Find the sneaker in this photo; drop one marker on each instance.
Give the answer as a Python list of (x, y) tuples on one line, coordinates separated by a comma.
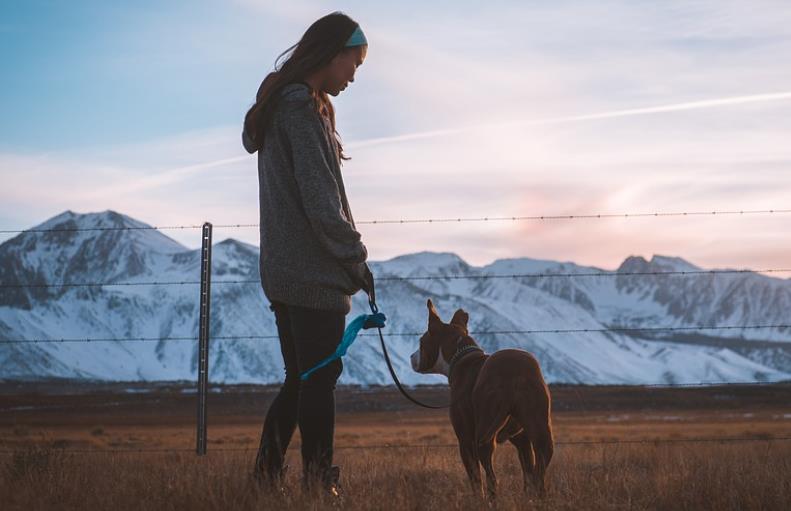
[(327, 484), (332, 483), (272, 481)]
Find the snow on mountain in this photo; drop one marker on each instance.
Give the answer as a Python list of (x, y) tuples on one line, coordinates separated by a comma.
[(138, 254)]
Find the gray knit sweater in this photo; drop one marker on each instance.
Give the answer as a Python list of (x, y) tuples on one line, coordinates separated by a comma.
[(310, 247)]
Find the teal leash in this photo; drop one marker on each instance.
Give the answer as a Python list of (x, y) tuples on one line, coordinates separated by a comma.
[(363, 321)]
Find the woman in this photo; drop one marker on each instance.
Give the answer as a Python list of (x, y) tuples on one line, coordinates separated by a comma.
[(312, 259)]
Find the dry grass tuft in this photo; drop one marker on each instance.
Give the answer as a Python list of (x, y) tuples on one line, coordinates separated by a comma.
[(677, 476)]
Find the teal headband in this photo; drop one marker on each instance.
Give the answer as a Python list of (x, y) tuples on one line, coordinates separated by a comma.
[(357, 38)]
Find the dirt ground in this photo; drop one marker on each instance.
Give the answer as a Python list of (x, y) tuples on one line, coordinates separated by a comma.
[(105, 416)]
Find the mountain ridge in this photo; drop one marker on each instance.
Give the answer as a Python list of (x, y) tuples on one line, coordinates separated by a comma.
[(611, 300)]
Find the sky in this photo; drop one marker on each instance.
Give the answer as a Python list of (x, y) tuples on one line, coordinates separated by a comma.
[(461, 109)]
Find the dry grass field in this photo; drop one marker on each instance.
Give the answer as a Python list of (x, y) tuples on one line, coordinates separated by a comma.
[(393, 456)]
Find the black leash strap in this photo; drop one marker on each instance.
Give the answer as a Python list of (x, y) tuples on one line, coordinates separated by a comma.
[(398, 383), (375, 309)]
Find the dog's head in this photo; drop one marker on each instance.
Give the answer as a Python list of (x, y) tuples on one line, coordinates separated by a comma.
[(439, 343)]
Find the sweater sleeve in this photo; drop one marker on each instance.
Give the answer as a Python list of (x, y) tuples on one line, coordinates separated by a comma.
[(247, 143), (318, 187)]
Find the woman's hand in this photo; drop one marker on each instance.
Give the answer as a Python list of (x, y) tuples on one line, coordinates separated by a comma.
[(368, 280), (362, 276)]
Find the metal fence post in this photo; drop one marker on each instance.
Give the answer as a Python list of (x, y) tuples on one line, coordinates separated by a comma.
[(203, 335)]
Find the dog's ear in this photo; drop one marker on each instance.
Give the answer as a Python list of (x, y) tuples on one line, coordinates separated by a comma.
[(433, 318), (460, 318), (431, 309)]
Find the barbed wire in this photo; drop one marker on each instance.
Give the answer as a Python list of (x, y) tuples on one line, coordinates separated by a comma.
[(588, 216), (413, 334), (585, 274), (513, 218), (115, 339), (604, 442), (114, 284), (90, 229), (575, 217), (420, 277)]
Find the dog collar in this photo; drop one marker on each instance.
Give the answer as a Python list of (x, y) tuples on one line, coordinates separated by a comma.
[(461, 353)]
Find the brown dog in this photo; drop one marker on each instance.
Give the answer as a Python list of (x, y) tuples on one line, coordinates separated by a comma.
[(494, 398)]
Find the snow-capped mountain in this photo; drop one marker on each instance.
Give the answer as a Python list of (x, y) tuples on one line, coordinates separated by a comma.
[(138, 255)]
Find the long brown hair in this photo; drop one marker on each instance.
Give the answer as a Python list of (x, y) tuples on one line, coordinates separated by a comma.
[(320, 43)]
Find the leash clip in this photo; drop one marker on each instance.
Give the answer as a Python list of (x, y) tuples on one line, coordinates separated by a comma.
[(372, 297)]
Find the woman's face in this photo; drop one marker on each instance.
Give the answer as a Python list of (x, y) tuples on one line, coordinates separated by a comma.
[(340, 71)]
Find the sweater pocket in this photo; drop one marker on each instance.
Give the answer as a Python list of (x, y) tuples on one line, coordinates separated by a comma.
[(350, 284), (323, 273)]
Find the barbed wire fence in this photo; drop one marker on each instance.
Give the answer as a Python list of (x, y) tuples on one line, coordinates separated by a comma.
[(396, 278), (515, 218), (205, 298)]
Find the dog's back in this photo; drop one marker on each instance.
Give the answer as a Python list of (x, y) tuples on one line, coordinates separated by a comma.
[(515, 376)]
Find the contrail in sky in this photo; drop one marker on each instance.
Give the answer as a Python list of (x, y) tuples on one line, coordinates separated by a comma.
[(691, 105), (164, 177), (181, 172)]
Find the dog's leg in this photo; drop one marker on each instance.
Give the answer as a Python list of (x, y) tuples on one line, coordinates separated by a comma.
[(490, 417), (544, 446), (464, 426), (486, 455), (526, 457), (469, 457), (539, 430)]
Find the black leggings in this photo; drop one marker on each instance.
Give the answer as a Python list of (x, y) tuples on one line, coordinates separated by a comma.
[(307, 336)]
